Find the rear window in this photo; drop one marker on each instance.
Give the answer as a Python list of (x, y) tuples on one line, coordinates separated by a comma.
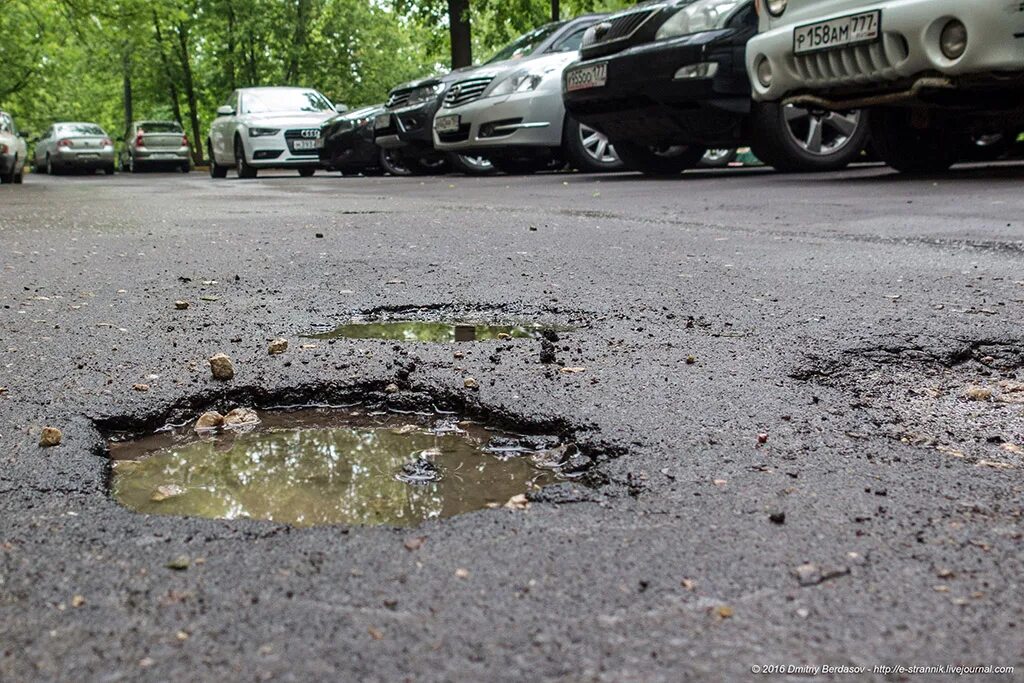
[(159, 127), (80, 129)]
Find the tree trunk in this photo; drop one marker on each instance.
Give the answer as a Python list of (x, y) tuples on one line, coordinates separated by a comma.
[(556, 11), (461, 37), (190, 93), (231, 67), (172, 88), (298, 42), (129, 113)]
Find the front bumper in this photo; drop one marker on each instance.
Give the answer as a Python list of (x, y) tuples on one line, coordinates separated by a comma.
[(92, 158), (643, 101), (908, 48), (529, 119), (350, 150), (409, 126), (274, 151)]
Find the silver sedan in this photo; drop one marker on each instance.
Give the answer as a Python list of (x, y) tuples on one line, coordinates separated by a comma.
[(75, 146)]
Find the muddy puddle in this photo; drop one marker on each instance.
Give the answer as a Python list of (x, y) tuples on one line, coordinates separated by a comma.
[(437, 332), (336, 466)]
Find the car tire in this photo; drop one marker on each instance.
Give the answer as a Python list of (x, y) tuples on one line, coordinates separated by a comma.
[(428, 165), (588, 149), (51, 169), (392, 163), (8, 178), (909, 149), (470, 165), (245, 171), (19, 177), (718, 158), (307, 172), (186, 168), (793, 139), (663, 161), (216, 170), (133, 166), (110, 170)]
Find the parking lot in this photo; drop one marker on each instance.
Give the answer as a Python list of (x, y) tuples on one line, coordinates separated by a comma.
[(800, 395)]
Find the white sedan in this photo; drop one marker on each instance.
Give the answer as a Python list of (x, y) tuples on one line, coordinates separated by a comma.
[(12, 151), (268, 128)]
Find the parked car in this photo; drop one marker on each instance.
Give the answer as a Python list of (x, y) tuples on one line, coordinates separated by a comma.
[(262, 128), (156, 144), (938, 75), (13, 151), (75, 146), (403, 129), (510, 109), (349, 147), (667, 81)]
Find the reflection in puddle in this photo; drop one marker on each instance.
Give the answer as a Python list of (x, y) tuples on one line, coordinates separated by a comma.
[(332, 466), (423, 331)]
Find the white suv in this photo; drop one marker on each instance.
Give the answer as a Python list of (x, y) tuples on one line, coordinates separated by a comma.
[(937, 73), (268, 128)]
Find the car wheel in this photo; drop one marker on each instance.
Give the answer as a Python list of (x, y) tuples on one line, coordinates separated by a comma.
[(241, 164), (589, 150), (109, 170), (186, 168), (718, 158), (666, 160), (792, 138), (430, 164), (19, 177), (307, 172), (8, 178), (216, 170), (392, 163), (471, 165), (133, 166), (50, 170), (909, 149)]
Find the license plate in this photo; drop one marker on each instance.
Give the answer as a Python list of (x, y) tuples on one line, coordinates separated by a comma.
[(382, 121), (304, 144), (851, 30), (586, 77), (88, 155), (447, 124)]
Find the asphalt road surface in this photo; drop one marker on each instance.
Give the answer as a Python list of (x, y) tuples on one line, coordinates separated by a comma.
[(801, 394)]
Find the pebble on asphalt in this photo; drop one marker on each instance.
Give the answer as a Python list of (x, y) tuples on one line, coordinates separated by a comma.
[(208, 421), (277, 347), (471, 383), (974, 393), (180, 563), (181, 305), (221, 367), (241, 417), (50, 436)]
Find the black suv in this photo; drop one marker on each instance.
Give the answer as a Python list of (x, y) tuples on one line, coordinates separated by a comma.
[(665, 81)]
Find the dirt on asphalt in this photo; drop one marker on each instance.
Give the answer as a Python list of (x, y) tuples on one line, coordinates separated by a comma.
[(798, 394)]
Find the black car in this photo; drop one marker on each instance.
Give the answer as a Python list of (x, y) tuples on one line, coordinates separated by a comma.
[(349, 146), (665, 81), (405, 129)]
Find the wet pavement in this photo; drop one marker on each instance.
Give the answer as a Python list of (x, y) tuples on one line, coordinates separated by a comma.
[(798, 398)]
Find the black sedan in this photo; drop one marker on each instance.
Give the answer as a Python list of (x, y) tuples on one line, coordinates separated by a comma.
[(349, 146), (667, 81)]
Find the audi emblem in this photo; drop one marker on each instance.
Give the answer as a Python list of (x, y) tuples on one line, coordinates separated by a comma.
[(311, 133)]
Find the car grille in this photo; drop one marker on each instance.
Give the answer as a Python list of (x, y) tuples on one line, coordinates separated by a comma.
[(302, 134), (852, 65), (398, 97), (467, 91), (619, 27)]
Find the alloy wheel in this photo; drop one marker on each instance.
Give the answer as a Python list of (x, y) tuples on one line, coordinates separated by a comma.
[(713, 156), (820, 133), (481, 164), (597, 145)]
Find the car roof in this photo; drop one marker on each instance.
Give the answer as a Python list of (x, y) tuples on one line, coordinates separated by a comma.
[(141, 121), (77, 123), (271, 88)]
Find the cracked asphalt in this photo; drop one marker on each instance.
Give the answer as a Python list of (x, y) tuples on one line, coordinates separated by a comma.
[(814, 487)]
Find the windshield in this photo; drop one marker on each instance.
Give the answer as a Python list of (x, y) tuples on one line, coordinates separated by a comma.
[(80, 129), (159, 127), (266, 101), (525, 44)]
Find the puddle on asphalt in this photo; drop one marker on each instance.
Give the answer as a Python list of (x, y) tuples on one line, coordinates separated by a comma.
[(336, 466), (427, 331)]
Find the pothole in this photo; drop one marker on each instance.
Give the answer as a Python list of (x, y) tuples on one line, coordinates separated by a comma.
[(323, 466), (435, 331)]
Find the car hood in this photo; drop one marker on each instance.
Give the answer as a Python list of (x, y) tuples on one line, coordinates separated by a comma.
[(549, 61), (283, 119)]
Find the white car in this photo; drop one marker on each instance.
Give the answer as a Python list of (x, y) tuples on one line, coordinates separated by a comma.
[(935, 72), (13, 151), (510, 109), (268, 128)]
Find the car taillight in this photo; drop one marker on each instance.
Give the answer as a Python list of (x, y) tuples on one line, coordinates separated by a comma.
[(4, 149), (107, 142), (65, 143), (184, 141), (139, 142)]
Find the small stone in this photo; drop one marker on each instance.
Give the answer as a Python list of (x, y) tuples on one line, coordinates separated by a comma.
[(414, 543), (221, 367), (690, 360), (724, 612), (319, 235), (375, 633), (208, 421), (140, 387), (945, 573), (181, 305), (572, 370), (458, 354), (777, 517), (277, 347), (241, 417), (762, 439), (688, 584), (391, 389), (77, 601), (462, 573), (179, 563), (518, 502), (974, 393), (807, 574), (50, 436), (471, 383), (166, 491)]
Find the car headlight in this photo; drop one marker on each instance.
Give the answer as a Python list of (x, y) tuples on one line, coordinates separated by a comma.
[(263, 132), (426, 93), (702, 15), (520, 81)]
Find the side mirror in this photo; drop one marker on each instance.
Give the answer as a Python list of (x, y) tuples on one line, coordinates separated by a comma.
[(24, 135), (341, 108), (225, 110)]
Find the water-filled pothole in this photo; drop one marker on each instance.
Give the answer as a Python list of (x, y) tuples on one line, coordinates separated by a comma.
[(433, 331), (337, 466)]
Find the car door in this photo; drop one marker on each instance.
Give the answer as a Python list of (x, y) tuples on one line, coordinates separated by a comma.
[(40, 154), (222, 132), (19, 144)]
